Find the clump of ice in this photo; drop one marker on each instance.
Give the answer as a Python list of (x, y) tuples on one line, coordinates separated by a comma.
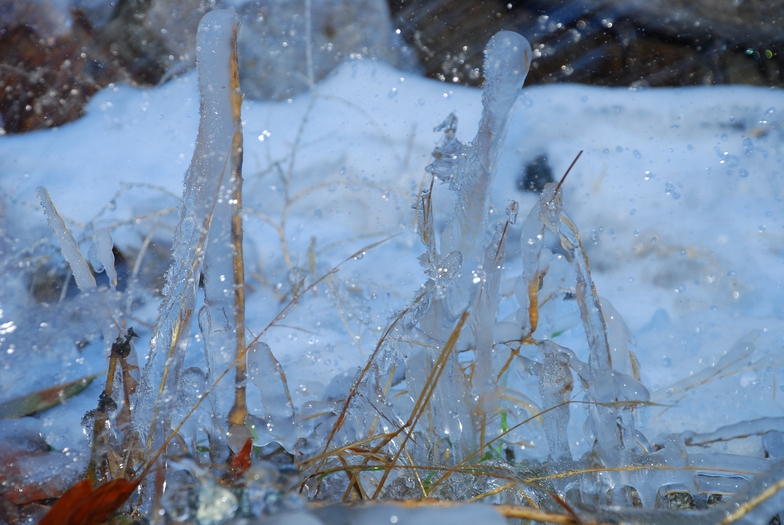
[(206, 183), (469, 374)]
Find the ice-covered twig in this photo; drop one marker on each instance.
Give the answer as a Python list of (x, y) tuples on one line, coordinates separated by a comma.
[(555, 387), (744, 429), (465, 270), (206, 182), (726, 365), (81, 270), (473, 168), (222, 319), (110, 323)]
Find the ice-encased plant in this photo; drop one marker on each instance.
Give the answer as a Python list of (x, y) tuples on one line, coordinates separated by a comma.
[(451, 391)]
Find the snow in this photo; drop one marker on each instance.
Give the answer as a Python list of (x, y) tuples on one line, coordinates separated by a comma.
[(677, 197)]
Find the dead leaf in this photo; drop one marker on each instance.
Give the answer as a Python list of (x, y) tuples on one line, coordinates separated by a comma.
[(81, 505), (242, 461), (43, 399)]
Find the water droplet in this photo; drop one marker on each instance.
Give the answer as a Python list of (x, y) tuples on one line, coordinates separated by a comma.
[(618, 149), (669, 188), (637, 154), (744, 173), (771, 110), (726, 158)]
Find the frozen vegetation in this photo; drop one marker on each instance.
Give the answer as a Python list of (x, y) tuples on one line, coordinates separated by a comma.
[(347, 315)]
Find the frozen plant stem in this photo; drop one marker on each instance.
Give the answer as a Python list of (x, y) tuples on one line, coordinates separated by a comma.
[(465, 269), (209, 234), (222, 319), (110, 325), (508, 57)]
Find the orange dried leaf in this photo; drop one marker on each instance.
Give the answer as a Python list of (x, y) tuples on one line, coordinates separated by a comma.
[(65, 506), (103, 502), (242, 461), (81, 505)]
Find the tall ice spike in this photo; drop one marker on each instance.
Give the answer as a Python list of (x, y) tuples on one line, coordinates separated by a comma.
[(210, 196)]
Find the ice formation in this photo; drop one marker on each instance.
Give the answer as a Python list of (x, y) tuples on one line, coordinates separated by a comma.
[(451, 396), (207, 181)]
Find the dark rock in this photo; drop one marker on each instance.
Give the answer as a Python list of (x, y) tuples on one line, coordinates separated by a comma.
[(604, 42), (537, 173), (49, 66), (273, 42)]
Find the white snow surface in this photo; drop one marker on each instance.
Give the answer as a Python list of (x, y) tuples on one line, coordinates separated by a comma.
[(678, 198)]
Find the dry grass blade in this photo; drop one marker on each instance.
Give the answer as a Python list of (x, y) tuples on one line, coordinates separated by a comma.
[(284, 311), (43, 399), (425, 396), (353, 392)]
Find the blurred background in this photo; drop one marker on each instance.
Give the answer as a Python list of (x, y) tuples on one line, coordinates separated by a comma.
[(54, 55)]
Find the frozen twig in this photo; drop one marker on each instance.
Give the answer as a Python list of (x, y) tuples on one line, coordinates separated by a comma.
[(207, 181)]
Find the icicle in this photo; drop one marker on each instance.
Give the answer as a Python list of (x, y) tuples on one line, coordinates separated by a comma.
[(207, 181), (484, 313), (81, 270), (590, 308), (459, 270), (277, 423), (470, 170), (508, 57), (267, 374), (102, 256), (555, 387), (109, 321)]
